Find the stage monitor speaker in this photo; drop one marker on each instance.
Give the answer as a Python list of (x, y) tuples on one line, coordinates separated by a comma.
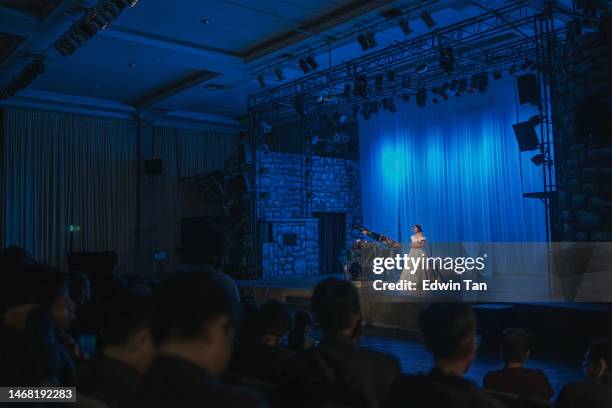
[(201, 241), (153, 166), (526, 136), (528, 89)]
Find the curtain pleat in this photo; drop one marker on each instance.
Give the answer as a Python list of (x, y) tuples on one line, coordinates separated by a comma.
[(185, 153), (63, 170), (454, 168)]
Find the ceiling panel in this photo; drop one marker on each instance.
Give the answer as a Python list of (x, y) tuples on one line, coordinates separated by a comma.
[(112, 69), (37, 8)]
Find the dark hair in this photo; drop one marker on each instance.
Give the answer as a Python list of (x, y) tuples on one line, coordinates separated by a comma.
[(129, 312), (37, 283), (334, 302), (418, 226), (515, 343), (272, 318), (601, 349), (185, 302), (445, 327)]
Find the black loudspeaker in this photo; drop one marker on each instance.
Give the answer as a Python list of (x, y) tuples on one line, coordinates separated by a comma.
[(153, 166), (526, 136), (528, 89), (202, 241)]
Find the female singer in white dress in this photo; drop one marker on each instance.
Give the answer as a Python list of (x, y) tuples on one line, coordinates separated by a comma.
[(417, 243)]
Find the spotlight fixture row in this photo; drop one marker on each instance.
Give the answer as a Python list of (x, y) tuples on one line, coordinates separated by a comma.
[(98, 18), (24, 78)]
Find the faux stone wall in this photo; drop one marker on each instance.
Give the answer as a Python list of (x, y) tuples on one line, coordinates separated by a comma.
[(286, 181), (583, 138)]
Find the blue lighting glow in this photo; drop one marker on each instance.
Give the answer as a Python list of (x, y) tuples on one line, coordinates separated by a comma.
[(454, 168)]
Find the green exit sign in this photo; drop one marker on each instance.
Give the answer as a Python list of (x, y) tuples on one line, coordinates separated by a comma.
[(74, 228)]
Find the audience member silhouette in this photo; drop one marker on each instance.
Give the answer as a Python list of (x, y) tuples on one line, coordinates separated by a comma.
[(193, 328), (596, 390), (35, 314), (299, 338), (515, 378), (115, 376), (449, 331), (338, 370), (260, 355)]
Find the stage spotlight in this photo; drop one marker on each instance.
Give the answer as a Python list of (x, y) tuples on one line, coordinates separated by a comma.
[(338, 117), (421, 68), (389, 105), (298, 104), (337, 138), (427, 19), (371, 37), (365, 110), (303, 65), (24, 78), (278, 71), (483, 82), (538, 159), (404, 24), (312, 62), (497, 75), (378, 83), (363, 42), (361, 86), (447, 60), (421, 97), (345, 138), (314, 140), (347, 91), (261, 80)]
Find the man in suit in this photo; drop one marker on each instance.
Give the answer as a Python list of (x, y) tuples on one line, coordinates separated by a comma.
[(338, 370), (193, 328), (449, 331)]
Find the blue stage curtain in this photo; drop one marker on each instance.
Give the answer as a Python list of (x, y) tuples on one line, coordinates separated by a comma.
[(453, 167)]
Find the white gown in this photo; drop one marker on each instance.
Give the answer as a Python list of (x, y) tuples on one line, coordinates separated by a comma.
[(420, 273)]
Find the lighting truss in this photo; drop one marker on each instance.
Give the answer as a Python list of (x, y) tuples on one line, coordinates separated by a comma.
[(465, 37)]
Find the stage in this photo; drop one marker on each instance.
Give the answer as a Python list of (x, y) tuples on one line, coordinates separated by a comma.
[(401, 312)]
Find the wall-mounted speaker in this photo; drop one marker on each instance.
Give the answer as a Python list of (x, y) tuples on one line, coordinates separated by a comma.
[(528, 89)]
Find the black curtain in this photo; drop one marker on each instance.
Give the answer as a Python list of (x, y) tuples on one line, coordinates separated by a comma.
[(332, 240)]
